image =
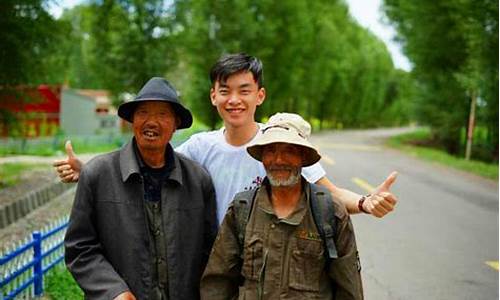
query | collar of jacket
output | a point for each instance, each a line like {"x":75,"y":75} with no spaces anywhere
{"x":129,"y":164}
{"x":264,"y":203}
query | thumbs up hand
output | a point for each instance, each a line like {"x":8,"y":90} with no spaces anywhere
{"x":382,"y":201}
{"x":69,"y":168}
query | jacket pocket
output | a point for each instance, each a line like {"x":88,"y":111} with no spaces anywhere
{"x":345,"y":272}
{"x":253,"y":258}
{"x":306,"y":265}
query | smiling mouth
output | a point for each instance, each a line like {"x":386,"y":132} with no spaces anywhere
{"x":150,"y":133}
{"x":234,"y":110}
{"x":281,"y":168}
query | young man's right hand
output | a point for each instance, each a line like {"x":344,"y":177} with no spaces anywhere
{"x":69,"y":168}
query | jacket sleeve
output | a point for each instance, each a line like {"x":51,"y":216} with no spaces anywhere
{"x":222,"y":275}
{"x":83,"y":250}
{"x":345,"y":270}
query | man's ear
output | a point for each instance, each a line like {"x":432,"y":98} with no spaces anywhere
{"x":304,"y":156}
{"x":212,"y":96}
{"x":177,"y":122}
{"x":261,"y":96}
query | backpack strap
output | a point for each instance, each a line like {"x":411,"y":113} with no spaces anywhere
{"x":322,"y":209}
{"x":243,"y":203}
{"x":323,"y":213}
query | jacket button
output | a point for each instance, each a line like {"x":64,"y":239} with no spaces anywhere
{"x":272,"y":226}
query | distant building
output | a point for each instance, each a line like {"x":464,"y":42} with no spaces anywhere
{"x":30,"y":111}
{"x":43,"y":110}
{"x":87,"y":112}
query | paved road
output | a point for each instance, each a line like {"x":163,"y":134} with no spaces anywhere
{"x":444,"y":232}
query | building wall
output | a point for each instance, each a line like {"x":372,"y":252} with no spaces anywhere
{"x":78,"y":115}
{"x":108,"y":124}
{"x":30,"y":111}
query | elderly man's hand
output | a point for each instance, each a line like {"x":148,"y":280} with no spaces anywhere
{"x":69,"y":168}
{"x":125,"y":296}
{"x":382,"y":201}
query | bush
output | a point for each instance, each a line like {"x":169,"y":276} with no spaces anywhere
{"x":421,"y":144}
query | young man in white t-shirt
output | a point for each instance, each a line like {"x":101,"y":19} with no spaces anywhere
{"x":236,"y":92}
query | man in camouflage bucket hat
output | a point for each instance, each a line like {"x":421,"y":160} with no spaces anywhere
{"x":278,"y":248}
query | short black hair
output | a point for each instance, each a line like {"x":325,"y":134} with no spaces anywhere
{"x":231,"y":64}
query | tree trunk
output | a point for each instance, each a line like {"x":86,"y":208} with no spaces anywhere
{"x":470,"y":127}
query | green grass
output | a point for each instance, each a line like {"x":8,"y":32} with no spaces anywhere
{"x":85,"y":147}
{"x":404,"y":143}
{"x":60,"y":285}
{"x":10,"y":173}
{"x":55,"y":145}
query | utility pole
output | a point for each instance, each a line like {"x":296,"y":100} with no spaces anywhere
{"x":470,"y":127}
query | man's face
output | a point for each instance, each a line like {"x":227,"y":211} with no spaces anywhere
{"x":237,"y":98}
{"x":154,"y":123}
{"x":283,"y":163}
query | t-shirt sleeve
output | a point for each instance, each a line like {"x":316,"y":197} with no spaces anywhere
{"x":189,"y":148}
{"x":313,"y":173}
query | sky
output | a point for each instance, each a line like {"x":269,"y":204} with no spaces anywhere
{"x":366,"y":12}
{"x":369,"y":15}
{"x":56,"y":7}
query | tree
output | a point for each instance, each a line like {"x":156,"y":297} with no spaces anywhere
{"x":317,"y":60}
{"x":130,"y":42}
{"x":29,"y":35}
{"x":453,"y":45}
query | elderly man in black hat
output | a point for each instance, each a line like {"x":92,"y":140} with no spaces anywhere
{"x":144,"y":217}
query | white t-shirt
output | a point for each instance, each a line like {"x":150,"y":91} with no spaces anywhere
{"x":232,"y":169}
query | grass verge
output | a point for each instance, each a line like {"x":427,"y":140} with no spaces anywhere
{"x":403,"y":143}
{"x":61,"y":285}
{"x":55,"y":145}
{"x":10,"y":173}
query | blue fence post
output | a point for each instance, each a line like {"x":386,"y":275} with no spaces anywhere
{"x":37,"y":257}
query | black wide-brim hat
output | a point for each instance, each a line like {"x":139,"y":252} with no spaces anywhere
{"x":157,"y":89}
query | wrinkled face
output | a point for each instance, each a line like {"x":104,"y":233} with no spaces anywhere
{"x":283,"y":163}
{"x":237,"y":98}
{"x":154,"y":123}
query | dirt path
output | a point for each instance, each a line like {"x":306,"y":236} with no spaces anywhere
{"x":41,"y":159}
